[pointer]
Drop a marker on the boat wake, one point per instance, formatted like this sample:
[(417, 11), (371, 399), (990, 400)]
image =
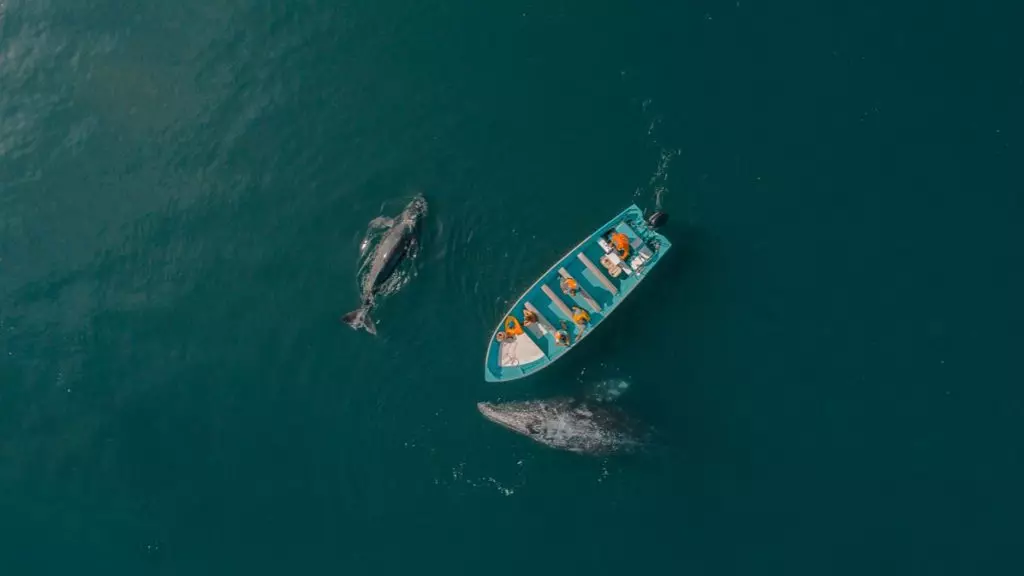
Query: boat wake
[(658, 184)]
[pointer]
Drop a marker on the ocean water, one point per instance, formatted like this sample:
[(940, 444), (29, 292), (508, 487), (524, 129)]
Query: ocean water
[(831, 359)]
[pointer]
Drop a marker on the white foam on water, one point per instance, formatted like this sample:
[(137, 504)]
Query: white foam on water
[(609, 390), (459, 476)]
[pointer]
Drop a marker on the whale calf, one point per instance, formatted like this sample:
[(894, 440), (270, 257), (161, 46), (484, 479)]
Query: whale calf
[(566, 424), (397, 243)]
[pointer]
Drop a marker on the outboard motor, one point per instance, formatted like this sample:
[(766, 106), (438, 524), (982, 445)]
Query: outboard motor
[(657, 219)]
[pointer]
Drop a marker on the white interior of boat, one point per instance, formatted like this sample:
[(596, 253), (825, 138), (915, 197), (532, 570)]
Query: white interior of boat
[(518, 351)]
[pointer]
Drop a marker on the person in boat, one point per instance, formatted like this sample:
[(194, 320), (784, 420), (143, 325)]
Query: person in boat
[(529, 317), (580, 317), (620, 242), (562, 336), (569, 286)]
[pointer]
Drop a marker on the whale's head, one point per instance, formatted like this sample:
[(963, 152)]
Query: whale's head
[(530, 418), (415, 209), (526, 418)]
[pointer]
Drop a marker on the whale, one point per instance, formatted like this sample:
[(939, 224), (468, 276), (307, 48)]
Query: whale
[(567, 424), (397, 243)]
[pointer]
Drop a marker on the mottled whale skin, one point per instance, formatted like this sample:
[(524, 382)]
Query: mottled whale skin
[(393, 248), (566, 424)]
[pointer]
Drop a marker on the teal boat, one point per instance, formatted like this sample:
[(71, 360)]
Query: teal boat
[(574, 296)]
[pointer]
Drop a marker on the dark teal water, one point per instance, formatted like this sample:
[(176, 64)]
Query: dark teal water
[(832, 357)]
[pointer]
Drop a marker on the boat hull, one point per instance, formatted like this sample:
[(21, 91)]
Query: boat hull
[(592, 265)]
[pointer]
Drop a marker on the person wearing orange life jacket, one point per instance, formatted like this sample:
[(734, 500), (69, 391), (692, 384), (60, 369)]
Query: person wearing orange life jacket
[(621, 243), (569, 286), (580, 317), (562, 336), (529, 317)]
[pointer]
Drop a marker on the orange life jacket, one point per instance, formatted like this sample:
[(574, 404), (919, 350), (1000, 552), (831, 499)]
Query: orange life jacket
[(621, 243), (580, 316)]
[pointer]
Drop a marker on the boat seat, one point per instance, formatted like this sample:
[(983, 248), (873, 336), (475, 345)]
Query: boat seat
[(635, 239), (542, 322), (625, 227), (598, 273), (557, 302), (640, 246)]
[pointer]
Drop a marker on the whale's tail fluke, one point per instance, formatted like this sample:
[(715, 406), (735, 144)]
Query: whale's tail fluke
[(360, 318)]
